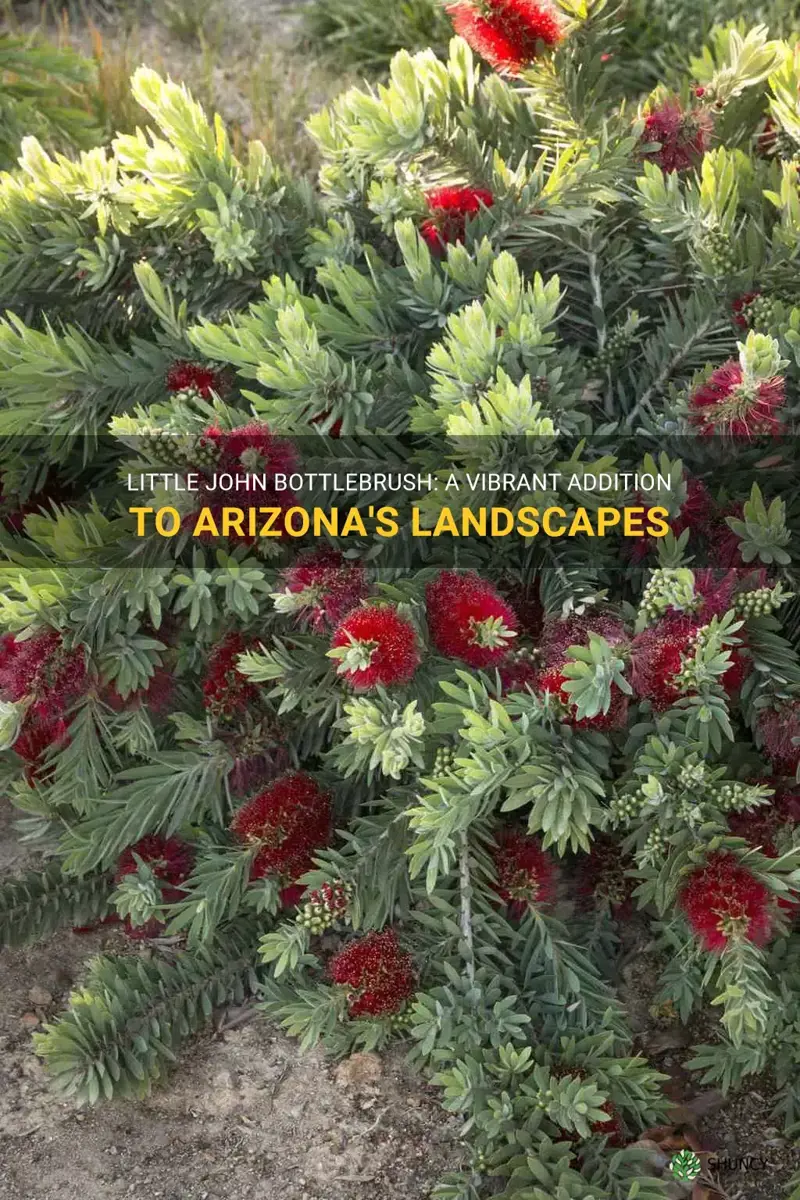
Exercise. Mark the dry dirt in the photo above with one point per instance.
(245, 1115)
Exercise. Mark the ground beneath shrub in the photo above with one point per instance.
(756, 1160)
(245, 1115)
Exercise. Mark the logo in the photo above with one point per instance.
(685, 1165)
(741, 1162)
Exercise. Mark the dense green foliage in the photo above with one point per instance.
(41, 95)
(161, 296)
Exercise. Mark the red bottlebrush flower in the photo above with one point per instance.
(291, 896)
(696, 510)
(507, 33)
(329, 586)
(41, 667)
(777, 729)
(252, 448)
(657, 657)
(601, 876)
(722, 900)
(379, 647)
(111, 919)
(762, 827)
(260, 754)
(449, 208)
(186, 376)
(612, 1129)
(226, 692)
(524, 598)
(724, 544)
(249, 450)
(558, 636)
(335, 430)
(13, 514)
(787, 800)
(695, 513)
(726, 405)
(469, 619)
(739, 309)
(714, 591)
(552, 680)
(11, 670)
(151, 929)
(171, 861)
(259, 749)
(51, 677)
(37, 736)
(738, 671)
(169, 858)
(251, 771)
(379, 976)
(682, 136)
(158, 694)
(525, 873)
(289, 820)
(9, 648)
(518, 674)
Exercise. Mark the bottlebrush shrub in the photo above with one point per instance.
(322, 587)
(461, 737)
(226, 692)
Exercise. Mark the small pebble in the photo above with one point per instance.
(40, 997)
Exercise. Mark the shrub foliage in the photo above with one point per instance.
(413, 792)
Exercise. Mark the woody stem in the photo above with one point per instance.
(465, 884)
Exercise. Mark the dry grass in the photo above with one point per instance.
(246, 63)
(277, 93)
(111, 96)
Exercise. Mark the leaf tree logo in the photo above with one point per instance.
(685, 1165)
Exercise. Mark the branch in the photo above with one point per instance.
(668, 370)
(465, 885)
